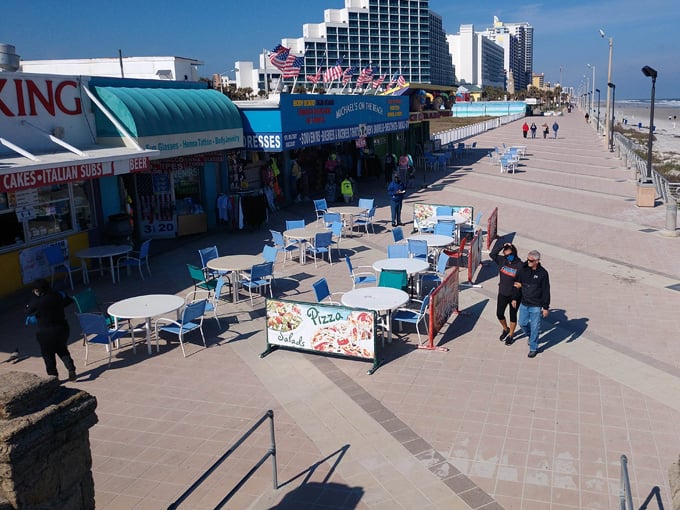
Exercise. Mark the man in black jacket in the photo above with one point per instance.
(505, 256)
(532, 291)
(53, 331)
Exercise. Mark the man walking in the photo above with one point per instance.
(532, 291)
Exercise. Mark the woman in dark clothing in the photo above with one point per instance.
(396, 192)
(505, 256)
(47, 306)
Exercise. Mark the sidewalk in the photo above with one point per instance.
(480, 426)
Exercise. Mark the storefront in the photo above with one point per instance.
(78, 151)
(310, 128)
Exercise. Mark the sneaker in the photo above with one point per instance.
(532, 354)
(509, 340)
(72, 376)
(504, 333)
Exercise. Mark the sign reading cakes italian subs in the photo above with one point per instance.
(321, 328)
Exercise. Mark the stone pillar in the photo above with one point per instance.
(45, 459)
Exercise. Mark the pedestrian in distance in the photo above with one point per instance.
(47, 306)
(396, 192)
(390, 166)
(532, 293)
(525, 129)
(546, 131)
(504, 254)
(555, 127)
(533, 130)
(587, 118)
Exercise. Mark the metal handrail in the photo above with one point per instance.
(625, 497)
(271, 453)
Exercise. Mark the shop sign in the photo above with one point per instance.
(56, 175)
(340, 134)
(183, 144)
(33, 97)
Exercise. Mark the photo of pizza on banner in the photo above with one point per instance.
(343, 338)
(283, 316)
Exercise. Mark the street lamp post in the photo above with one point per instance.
(610, 115)
(592, 90)
(609, 79)
(598, 110)
(650, 73)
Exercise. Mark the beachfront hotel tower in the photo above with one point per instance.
(389, 35)
(517, 40)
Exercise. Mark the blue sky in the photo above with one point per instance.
(565, 33)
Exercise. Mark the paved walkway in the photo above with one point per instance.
(479, 426)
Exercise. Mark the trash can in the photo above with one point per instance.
(646, 194)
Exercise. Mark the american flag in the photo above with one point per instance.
(292, 70)
(333, 73)
(393, 80)
(281, 58)
(378, 81)
(401, 81)
(314, 78)
(347, 75)
(365, 75)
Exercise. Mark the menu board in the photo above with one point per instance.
(321, 328)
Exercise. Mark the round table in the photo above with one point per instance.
(145, 307)
(304, 234)
(235, 264)
(349, 211)
(379, 299)
(411, 266)
(433, 240)
(101, 252)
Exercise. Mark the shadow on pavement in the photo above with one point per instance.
(562, 329)
(463, 323)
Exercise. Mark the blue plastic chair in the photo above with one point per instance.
(208, 254)
(360, 277)
(445, 228)
(58, 262)
(322, 243)
(443, 210)
(269, 253)
(397, 251)
(291, 224)
(320, 208)
(96, 331)
(136, 259)
(190, 320)
(212, 299)
(397, 234)
(280, 245)
(417, 249)
(336, 229)
(439, 274)
(261, 276)
(366, 220)
(321, 291)
(414, 316)
(329, 218)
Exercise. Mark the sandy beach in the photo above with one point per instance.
(666, 121)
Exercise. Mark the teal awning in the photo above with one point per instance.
(152, 112)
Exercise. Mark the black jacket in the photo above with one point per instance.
(535, 290)
(48, 308)
(507, 270)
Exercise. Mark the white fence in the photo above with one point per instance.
(458, 134)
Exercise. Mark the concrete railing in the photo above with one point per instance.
(462, 133)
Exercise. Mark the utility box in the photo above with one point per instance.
(646, 194)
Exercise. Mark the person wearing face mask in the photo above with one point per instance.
(504, 254)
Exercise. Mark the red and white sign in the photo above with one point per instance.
(56, 175)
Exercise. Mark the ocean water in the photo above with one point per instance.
(645, 103)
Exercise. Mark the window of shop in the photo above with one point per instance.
(29, 216)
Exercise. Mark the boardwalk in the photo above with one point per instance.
(480, 426)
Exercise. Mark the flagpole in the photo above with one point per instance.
(266, 84)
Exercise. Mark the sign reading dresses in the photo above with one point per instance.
(308, 120)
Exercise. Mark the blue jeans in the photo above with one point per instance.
(395, 207)
(530, 322)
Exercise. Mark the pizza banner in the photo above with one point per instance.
(321, 328)
(443, 302)
(423, 212)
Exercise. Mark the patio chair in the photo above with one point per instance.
(191, 319)
(136, 259)
(321, 291)
(291, 224)
(443, 210)
(439, 274)
(467, 229)
(329, 218)
(366, 220)
(394, 278)
(322, 244)
(320, 208)
(398, 251)
(457, 255)
(212, 300)
(280, 245)
(360, 277)
(397, 234)
(208, 254)
(410, 316)
(261, 276)
(59, 263)
(366, 203)
(445, 228)
(96, 331)
(200, 281)
(86, 302)
(336, 229)
(417, 249)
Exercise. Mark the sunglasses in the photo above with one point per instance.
(532, 260)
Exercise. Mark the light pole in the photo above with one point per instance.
(650, 73)
(592, 89)
(598, 110)
(609, 80)
(610, 116)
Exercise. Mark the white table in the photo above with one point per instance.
(234, 264)
(348, 212)
(411, 266)
(380, 299)
(433, 240)
(101, 252)
(304, 234)
(145, 307)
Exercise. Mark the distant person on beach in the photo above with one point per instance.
(532, 293)
(505, 256)
(525, 129)
(533, 130)
(546, 131)
(555, 128)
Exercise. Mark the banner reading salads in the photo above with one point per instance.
(321, 328)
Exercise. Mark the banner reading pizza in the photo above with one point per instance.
(321, 328)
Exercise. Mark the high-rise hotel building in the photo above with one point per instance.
(390, 35)
(517, 40)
